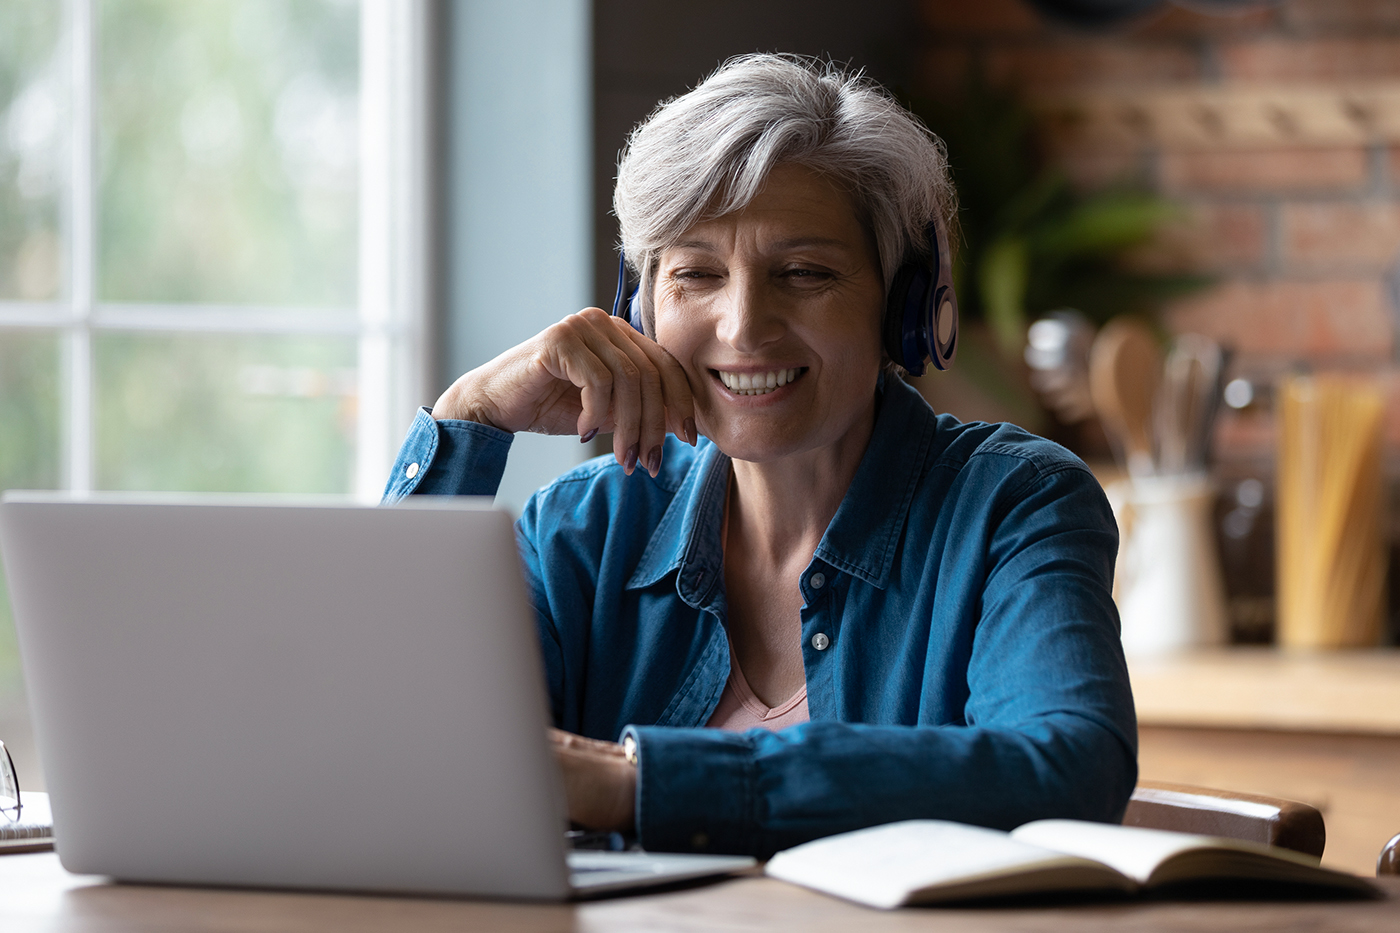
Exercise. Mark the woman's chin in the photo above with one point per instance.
(756, 445)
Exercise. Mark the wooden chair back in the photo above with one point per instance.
(1269, 820)
(1389, 861)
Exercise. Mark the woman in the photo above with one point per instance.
(879, 613)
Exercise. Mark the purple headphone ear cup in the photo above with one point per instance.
(921, 297)
(906, 313)
(942, 299)
(944, 305)
(894, 322)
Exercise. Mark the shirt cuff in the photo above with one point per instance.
(448, 458)
(695, 789)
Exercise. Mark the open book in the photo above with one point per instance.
(928, 861)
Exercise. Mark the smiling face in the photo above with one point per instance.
(774, 312)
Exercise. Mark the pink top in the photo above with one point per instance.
(739, 710)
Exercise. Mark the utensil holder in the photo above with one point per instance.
(1168, 587)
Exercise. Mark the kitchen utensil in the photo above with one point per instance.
(1125, 366)
(1187, 401)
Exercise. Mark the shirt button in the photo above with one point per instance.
(411, 472)
(820, 641)
(817, 580)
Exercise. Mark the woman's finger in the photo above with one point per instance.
(625, 382)
(600, 785)
(651, 429)
(570, 356)
(680, 401)
(635, 385)
(580, 743)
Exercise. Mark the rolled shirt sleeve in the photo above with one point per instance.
(448, 458)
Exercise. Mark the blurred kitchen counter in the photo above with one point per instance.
(1264, 688)
(1321, 728)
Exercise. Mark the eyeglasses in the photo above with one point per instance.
(9, 785)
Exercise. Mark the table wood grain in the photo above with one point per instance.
(36, 894)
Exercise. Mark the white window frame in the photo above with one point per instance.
(394, 251)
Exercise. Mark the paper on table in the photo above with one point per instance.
(884, 865)
(1133, 850)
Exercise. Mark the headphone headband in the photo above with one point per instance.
(628, 307)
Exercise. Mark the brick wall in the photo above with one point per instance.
(1300, 224)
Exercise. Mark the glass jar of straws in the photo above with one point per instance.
(1331, 511)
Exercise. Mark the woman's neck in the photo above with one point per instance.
(783, 507)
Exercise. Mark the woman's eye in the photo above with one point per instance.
(806, 276)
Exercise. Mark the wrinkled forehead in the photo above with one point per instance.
(796, 207)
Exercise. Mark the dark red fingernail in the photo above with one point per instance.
(654, 460)
(629, 463)
(690, 435)
(588, 437)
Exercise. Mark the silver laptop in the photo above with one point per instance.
(308, 695)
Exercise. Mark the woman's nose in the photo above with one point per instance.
(748, 318)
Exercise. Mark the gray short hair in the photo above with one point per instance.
(709, 151)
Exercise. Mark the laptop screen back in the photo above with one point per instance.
(317, 696)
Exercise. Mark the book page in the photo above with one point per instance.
(886, 866)
(1160, 857)
(1132, 850)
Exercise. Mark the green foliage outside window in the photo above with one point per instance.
(226, 156)
(243, 413)
(227, 151)
(32, 101)
(29, 441)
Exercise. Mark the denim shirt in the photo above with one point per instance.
(971, 667)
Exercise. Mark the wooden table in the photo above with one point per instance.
(1321, 728)
(36, 894)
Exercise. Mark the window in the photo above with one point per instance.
(211, 246)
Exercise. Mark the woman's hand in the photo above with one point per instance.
(591, 372)
(600, 784)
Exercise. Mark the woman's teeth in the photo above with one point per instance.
(757, 383)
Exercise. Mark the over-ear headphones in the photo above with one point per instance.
(921, 304)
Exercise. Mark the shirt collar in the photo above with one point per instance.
(862, 537)
(687, 539)
(864, 534)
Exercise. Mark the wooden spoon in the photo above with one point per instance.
(1125, 365)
